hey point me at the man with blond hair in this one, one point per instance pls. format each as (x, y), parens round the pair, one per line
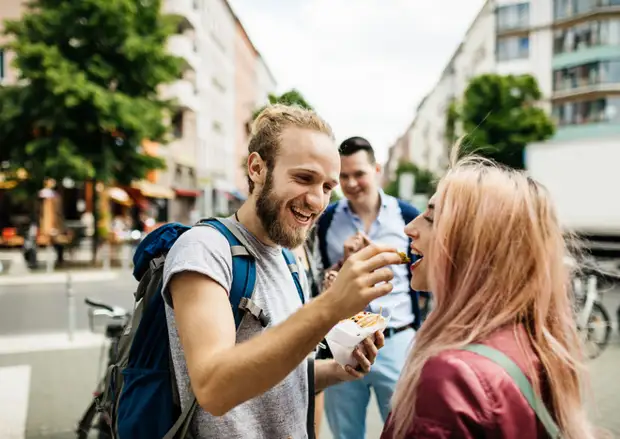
(253, 382)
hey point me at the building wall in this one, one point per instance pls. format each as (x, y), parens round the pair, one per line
(265, 82)
(484, 50)
(246, 58)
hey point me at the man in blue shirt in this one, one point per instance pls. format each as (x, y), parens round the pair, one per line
(368, 212)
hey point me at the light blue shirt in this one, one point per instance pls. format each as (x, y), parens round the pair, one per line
(389, 229)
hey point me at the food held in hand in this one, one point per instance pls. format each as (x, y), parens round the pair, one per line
(366, 319)
(404, 259)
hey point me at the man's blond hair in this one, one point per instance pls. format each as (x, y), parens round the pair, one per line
(271, 122)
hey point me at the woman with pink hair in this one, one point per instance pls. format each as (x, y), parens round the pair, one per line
(499, 355)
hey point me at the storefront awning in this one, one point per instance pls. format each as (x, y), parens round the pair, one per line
(153, 190)
(120, 196)
(192, 193)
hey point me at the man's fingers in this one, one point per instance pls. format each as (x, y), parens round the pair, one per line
(384, 274)
(379, 339)
(379, 291)
(354, 373)
(371, 349)
(382, 259)
(365, 239)
(374, 249)
(363, 361)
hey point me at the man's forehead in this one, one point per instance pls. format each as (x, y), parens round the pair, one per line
(310, 150)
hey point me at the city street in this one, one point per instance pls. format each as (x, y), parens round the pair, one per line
(42, 309)
(28, 309)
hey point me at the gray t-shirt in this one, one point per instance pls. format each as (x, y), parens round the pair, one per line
(279, 413)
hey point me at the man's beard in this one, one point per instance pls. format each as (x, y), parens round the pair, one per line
(268, 209)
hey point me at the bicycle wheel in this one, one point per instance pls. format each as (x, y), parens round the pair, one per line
(86, 423)
(598, 331)
(93, 424)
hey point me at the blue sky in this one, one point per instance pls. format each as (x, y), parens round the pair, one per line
(364, 67)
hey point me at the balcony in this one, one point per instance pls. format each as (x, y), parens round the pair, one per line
(568, 12)
(587, 118)
(587, 131)
(184, 46)
(591, 80)
(188, 10)
(185, 92)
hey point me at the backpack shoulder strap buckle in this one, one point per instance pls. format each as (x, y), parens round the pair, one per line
(248, 305)
(157, 262)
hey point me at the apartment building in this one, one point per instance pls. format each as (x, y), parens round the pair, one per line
(253, 83)
(572, 47)
(202, 159)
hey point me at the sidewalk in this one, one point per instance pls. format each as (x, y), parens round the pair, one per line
(77, 276)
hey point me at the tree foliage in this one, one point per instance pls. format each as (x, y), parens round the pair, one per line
(87, 90)
(425, 180)
(291, 97)
(499, 116)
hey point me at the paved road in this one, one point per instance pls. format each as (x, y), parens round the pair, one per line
(28, 309)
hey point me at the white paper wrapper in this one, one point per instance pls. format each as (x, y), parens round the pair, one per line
(346, 335)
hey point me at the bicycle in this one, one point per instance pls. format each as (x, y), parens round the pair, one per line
(591, 315)
(93, 418)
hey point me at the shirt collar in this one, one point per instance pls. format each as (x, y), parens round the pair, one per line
(382, 197)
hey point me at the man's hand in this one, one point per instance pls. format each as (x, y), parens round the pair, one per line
(364, 277)
(329, 372)
(328, 280)
(365, 353)
(355, 243)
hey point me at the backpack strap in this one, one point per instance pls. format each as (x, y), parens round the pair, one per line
(324, 222)
(243, 271)
(409, 213)
(522, 382)
(291, 261)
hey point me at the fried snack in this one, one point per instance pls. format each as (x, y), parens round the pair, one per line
(366, 319)
(404, 259)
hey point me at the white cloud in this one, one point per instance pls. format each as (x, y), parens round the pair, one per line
(364, 65)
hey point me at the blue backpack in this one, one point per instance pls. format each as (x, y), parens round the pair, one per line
(409, 213)
(141, 397)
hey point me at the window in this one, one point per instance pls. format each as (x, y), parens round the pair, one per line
(515, 16)
(513, 48)
(586, 35)
(1, 64)
(177, 125)
(588, 112)
(569, 8)
(600, 72)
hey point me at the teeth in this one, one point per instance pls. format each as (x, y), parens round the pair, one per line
(303, 215)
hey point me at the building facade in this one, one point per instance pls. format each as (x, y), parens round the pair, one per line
(253, 83)
(245, 99)
(202, 158)
(572, 48)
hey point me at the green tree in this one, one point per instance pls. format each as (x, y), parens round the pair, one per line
(291, 97)
(425, 180)
(87, 95)
(499, 117)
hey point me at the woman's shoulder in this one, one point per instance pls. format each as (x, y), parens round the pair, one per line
(466, 391)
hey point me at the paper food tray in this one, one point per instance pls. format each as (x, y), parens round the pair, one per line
(346, 335)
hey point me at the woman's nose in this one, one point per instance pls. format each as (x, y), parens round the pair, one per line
(411, 231)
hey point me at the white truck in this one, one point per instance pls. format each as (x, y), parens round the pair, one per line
(583, 177)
